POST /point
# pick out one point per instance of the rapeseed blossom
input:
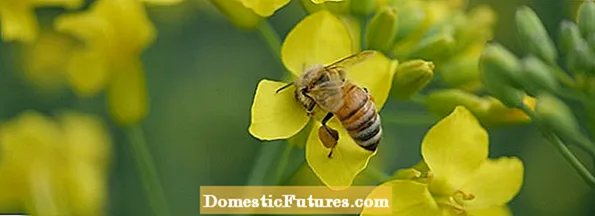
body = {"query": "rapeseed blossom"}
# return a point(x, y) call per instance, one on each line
point(114, 33)
point(18, 19)
point(54, 167)
point(320, 38)
point(456, 177)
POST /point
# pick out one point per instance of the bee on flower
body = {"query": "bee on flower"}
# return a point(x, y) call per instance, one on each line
point(321, 39)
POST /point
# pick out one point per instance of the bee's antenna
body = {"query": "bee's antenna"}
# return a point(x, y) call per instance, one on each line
point(284, 87)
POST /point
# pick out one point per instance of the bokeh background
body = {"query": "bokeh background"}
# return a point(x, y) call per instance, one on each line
point(202, 73)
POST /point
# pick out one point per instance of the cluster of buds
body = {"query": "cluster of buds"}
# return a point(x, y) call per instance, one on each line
point(509, 78)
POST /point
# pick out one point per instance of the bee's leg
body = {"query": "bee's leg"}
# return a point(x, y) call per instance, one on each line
point(310, 108)
point(330, 154)
point(327, 118)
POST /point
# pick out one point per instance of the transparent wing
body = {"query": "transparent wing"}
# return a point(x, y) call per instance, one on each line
point(352, 59)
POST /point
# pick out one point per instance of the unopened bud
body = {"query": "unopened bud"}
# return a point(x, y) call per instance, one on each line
point(237, 14)
point(476, 27)
point(537, 77)
point(461, 71)
point(499, 72)
point(411, 77)
point(586, 18)
point(579, 56)
point(436, 46)
point(382, 29)
point(559, 117)
point(442, 102)
point(533, 36)
point(363, 8)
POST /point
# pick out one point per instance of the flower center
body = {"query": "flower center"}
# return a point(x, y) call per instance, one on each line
point(455, 202)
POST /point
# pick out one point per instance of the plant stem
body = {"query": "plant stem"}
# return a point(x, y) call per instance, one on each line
point(271, 38)
point(263, 162)
point(408, 118)
point(283, 161)
point(377, 174)
point(148, 173)
point(562, 149)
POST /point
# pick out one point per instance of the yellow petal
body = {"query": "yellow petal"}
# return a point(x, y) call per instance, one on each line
point(320, 38)
point(86, 138)
point(129, 18)
point(163, 2)
point(264, 8)
point(376, 74)
point(87, 72)
point(18, 22)
point(348, 158)
point(93, 30)
point(492, 211)
point(455, 147)
point(495, 183)
point(127, 93)
point(276, 115)
point(410, 198)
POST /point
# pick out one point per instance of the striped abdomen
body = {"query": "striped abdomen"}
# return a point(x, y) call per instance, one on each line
point(358, 115)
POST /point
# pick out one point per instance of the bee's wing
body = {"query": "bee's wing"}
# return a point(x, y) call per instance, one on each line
point(352, 59)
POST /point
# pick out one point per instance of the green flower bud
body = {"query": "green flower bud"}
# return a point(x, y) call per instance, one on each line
point(557, 116)
point(411, 15)
point(442, 102)
point(537, 77)
point(499, 72)
point(579, 56)
point(239, 15)
point(411, 77)
point(461, 71)
point(363, 7)
point(533, 36)
point(586, 18)
point(476, 27)
point(382, 29)
point(435, 46)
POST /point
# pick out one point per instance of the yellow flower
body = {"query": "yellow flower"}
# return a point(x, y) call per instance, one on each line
point(163, 2)
point(458, 176)
point(115, 33)
point(18, 20)
point(320, 38)
point(54, 168)
point(43, 61)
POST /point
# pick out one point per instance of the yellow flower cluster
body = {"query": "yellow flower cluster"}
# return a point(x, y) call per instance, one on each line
point(54, 167)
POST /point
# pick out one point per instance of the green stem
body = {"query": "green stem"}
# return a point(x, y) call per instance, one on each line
point(562, 148)
point(590, 112)
point(377, 174)
point(263, 162)
point(283, 162)
point(271, 38)
point(408, 118)
point(563, 77)
point(148, 173)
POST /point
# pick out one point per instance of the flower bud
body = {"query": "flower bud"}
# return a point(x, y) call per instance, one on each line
point(411, 15)
point(435, 46)
point(461, 71)
point(442, 102)
point(586, 17)
point(533, 36)
point(237, 14)
point(363, 8)
point(476, 27)
point(537, 77)
point(411, 77)
point(579, 57)
point(382, 29)
point(499, 72)
point(559, 117)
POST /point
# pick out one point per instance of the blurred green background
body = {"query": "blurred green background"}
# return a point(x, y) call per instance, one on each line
point(202, 73)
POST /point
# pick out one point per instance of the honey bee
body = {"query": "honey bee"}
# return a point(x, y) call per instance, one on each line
point(328, 88)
